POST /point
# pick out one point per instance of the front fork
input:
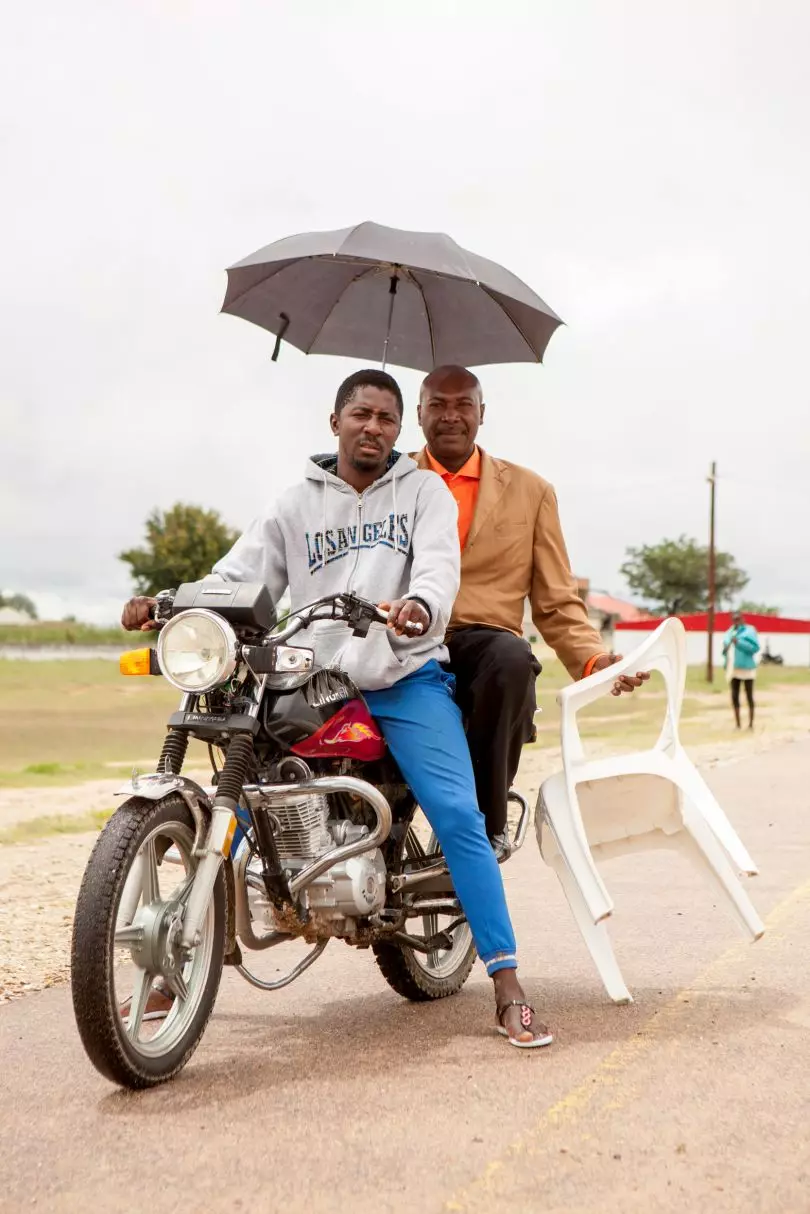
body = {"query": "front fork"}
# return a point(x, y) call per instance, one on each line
point(217, 843)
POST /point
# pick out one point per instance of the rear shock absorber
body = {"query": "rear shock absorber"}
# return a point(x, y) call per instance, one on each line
point(173, 754)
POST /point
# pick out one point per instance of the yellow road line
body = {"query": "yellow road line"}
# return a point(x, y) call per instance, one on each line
point(598, 1087)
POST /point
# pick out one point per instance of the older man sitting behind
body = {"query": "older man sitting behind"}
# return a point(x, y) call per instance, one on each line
point(512, 548)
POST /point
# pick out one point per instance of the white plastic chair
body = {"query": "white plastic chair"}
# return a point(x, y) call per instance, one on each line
point(631, 802)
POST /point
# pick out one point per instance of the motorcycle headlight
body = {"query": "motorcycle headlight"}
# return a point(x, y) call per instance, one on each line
point(197, 650)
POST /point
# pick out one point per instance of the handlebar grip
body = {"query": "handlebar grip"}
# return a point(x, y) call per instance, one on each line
point(412, 626)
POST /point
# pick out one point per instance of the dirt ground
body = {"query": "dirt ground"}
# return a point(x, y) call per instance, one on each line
point(693, 1098)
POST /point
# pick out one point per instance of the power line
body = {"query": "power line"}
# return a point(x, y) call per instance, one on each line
point(710, 621)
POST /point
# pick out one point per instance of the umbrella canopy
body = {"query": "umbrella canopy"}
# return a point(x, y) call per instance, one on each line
point(416, 299)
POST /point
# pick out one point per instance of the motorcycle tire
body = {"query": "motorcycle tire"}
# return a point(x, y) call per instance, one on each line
point(99, 1018)
point(412, 975)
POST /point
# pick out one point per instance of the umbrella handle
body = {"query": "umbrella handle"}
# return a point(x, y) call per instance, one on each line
point(283, 327)
point(392, 290)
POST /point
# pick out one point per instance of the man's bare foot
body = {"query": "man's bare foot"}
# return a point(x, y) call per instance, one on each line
point(516, 1018)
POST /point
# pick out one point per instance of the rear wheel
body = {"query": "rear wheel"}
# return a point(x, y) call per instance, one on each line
point(416, 975)
point(126, 939)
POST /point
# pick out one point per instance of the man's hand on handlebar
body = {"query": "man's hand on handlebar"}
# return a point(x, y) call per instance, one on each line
point(406, 616)
point(137, 615)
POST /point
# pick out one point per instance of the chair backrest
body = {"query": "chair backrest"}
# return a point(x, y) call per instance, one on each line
point(664, 651)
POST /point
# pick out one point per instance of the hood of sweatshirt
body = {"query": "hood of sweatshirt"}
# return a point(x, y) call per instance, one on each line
point(396, 539)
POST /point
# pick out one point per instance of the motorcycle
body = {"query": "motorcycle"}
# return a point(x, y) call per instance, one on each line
point(307, 832)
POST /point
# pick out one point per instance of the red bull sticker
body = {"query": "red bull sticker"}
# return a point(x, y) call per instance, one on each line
point(350, 733)
point(353, 731)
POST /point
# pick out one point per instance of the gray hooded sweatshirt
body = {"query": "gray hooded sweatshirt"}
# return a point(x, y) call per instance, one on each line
point(396, 539)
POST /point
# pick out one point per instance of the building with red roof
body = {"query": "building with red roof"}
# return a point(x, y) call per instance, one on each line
point(779, 635)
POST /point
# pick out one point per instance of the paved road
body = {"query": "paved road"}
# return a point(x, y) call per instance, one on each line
point(335, 1095)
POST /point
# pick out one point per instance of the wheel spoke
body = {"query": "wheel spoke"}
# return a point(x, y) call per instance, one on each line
point(178, 986)
point(131, 894)
point(430, 924)
point(132, 934)
point(151, 885)
point(182, 894)
point(413, 845)
point(137, 1007)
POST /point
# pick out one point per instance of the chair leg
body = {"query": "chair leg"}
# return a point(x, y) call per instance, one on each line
point(569, 843)
point(711, 858)
point(695, 789)
point(595, 936)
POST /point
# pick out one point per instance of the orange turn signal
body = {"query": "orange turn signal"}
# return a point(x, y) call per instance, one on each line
point(136, 661)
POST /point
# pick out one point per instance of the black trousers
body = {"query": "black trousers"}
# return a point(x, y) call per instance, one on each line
point(735, 698)
point(495, 677)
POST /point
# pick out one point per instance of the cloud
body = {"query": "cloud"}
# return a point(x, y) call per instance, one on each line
point(649, 181)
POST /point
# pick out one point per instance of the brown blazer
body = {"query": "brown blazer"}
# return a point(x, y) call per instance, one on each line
point(516, 551)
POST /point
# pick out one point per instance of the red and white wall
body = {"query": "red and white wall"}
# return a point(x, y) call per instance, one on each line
point(790, 638)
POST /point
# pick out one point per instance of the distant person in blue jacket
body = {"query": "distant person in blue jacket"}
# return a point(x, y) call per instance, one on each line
point(740, 649)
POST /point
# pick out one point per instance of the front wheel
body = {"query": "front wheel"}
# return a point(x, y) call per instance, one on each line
point(425, 976)
point(126, 953)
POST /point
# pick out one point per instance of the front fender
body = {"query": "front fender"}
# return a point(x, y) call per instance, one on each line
point(156, 786)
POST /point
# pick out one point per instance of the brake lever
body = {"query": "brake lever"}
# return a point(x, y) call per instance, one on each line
point(161, 610)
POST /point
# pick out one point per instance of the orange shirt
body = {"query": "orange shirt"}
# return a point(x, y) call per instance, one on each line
point(464, 486)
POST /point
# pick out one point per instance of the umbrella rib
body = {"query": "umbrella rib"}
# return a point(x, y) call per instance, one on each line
point(342, 292)
point(412, 276)
point(240, 295)
point(511, 318)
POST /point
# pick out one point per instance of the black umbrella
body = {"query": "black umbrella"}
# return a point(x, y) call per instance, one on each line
point(416, 299)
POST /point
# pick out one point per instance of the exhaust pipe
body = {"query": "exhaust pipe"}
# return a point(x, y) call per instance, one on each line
point(330, 784)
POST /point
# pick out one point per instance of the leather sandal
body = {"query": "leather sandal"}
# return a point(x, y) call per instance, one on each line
point(541, 1034)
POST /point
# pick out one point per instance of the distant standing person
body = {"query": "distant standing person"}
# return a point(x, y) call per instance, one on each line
point(740, 649)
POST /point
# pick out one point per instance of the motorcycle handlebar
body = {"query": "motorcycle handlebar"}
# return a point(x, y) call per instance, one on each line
point(328, 609)
point(411, 626)
point(325, 609)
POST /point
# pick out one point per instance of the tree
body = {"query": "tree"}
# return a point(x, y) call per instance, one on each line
point(752, 608)
point(19, 602)
point(181, 546)
point(673, 576)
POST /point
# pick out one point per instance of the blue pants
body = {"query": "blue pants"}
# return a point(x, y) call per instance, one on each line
point(422, 726)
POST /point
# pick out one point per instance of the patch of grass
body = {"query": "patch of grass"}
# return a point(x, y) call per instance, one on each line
point(44, 769)
point(54, 824)
point(61, 722)
point(50, 775)
point(633, 722)
point(69, 632)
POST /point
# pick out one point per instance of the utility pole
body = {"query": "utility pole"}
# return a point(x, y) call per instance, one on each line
point(710, 622)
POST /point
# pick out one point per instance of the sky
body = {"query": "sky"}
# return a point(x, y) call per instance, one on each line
point(644, 167)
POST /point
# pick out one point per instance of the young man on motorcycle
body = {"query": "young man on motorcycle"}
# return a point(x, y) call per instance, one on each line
point(512, 550)
point(369, 521)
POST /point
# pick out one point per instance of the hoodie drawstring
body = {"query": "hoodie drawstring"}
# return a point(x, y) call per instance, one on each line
point(395, 536)
point(395, 532)
point(323, 521)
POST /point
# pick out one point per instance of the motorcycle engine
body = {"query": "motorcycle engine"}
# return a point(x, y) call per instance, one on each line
point(303, 831)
